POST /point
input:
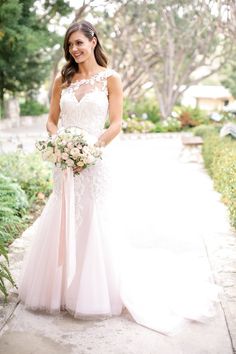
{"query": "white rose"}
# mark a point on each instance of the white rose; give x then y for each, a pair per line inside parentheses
(63, 136)
(90, 159)
(70, 163)
(70, 145)
(86, 150)
(64, 156)
(75, 152)
(58, 155)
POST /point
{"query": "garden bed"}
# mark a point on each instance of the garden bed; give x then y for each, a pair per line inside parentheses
(25, 184)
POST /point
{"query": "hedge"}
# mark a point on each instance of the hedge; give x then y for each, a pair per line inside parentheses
(219, 156)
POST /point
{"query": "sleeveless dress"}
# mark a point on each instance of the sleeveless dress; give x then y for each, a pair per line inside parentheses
(77, 261)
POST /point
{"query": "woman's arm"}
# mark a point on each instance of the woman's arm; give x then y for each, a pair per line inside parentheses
(115, 95)
(54, 111)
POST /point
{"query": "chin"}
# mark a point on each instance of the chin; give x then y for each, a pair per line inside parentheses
(81, 60)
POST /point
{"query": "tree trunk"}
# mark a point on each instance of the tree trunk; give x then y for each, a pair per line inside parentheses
(12, 111)
(1, 102)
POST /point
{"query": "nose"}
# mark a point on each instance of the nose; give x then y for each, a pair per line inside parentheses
(73, 48)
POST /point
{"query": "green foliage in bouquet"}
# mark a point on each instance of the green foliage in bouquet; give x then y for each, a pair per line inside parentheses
(220, 160)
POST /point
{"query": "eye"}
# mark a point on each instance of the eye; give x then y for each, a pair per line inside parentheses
(70, 45)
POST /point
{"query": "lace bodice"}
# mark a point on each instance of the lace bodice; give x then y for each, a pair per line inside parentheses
(85, 103)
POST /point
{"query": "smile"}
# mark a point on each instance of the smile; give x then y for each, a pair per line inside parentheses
(77, 55)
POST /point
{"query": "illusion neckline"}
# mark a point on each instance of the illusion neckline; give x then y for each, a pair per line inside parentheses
(90, 78)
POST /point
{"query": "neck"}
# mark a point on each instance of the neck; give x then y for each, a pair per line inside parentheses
(89, 67)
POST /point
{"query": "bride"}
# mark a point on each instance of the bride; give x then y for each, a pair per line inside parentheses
(78, 260)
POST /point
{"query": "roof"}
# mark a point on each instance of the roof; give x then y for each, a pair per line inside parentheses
(208, 91)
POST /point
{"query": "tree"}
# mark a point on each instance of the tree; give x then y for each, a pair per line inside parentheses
(26, 43)
(168, 42)
(109, 21)
(227, 21)
(58, 54)
(229, 77)
(114, 28)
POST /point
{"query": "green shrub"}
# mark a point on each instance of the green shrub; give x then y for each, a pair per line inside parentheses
(5, 274)
(171, 124)
(32, 108)
(145, 108)
(159, 128)
(204, 130)
(137, 126)
(220, 160)
(227, 117)
(29, 171)
(13, 207)
(191, 117)
(24, 179)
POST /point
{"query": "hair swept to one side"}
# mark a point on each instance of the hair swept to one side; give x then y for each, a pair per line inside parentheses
(71, 67)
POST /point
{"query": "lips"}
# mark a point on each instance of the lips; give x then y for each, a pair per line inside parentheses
(76, 56)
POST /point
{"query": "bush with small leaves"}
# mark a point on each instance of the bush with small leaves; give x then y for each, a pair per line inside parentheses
(220, 160)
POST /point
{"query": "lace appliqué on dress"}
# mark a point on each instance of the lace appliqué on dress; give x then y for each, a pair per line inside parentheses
(88, 98)
(93, 183)
(85, 103)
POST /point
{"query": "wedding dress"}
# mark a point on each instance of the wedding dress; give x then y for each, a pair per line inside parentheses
(79, 260)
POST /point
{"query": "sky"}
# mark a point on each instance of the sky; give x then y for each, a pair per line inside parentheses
(76, 4)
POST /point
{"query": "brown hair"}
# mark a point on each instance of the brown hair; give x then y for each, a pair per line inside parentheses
(71, 67)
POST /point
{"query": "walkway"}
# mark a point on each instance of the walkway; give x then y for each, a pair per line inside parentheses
(183, 212)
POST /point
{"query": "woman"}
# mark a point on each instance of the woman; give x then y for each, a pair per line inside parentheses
(76, 261)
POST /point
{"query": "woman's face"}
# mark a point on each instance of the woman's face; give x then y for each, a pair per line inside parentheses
(80, 47)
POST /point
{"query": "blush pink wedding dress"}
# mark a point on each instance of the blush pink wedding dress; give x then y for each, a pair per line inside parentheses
(78, 260)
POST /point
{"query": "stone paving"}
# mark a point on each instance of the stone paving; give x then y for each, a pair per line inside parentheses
(205, 229)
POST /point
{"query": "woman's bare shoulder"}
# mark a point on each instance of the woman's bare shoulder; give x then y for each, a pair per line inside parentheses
(58, 84)
(114, 79)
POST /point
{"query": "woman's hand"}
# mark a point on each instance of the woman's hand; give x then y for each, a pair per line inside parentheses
(100, 143)
(78, 169)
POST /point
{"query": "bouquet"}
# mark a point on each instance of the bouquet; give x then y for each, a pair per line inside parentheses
(70, 147)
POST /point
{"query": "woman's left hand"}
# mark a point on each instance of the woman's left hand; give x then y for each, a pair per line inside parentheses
(78, 169)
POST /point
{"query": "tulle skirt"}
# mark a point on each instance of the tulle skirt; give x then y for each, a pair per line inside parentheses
(81, 259)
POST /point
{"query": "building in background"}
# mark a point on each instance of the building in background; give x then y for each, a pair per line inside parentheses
(210, 98)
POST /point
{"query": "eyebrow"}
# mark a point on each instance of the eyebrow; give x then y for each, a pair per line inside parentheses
(77, 40)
